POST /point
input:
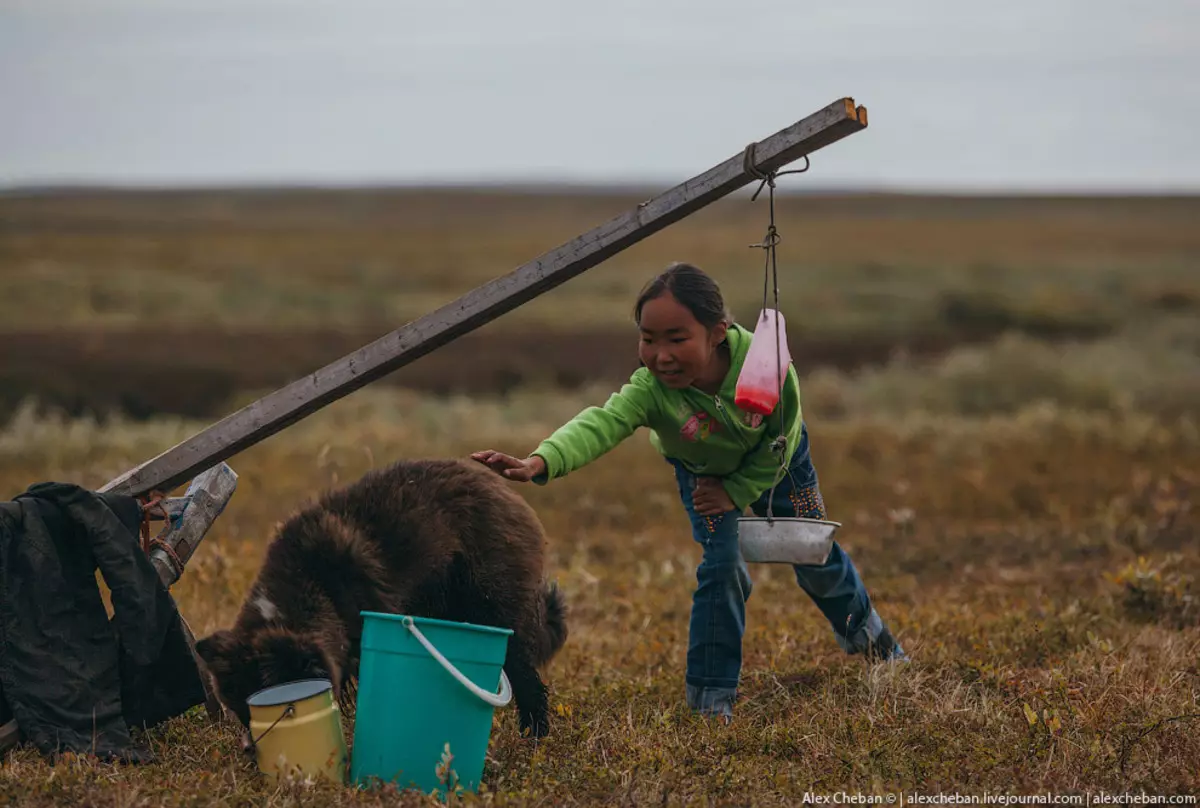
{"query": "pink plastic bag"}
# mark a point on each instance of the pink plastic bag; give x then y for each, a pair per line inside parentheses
(764, 370)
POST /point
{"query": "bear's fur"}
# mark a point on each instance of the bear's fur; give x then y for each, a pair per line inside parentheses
(445, 539)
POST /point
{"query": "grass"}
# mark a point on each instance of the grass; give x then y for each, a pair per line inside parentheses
(1002, 396)
(1044, 590)
(293, 260)
(219, 292)
(1153, 368)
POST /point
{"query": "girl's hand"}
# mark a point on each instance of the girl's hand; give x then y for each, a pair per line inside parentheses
(710, 498)
(511, 467)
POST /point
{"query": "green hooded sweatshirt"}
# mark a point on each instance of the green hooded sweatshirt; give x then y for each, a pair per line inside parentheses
(709, 434)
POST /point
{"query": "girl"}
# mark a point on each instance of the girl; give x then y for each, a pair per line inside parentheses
(692, 353)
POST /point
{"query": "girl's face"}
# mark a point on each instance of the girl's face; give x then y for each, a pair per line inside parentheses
(675, 346)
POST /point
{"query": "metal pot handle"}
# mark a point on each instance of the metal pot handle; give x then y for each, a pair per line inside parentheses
(288, 711)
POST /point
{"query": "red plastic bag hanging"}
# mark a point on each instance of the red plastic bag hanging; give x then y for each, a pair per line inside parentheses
(766, 366)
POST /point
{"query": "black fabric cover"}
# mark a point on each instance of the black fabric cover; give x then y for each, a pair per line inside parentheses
(74, 680)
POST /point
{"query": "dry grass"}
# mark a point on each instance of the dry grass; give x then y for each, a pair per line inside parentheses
(292, 260)
(1037, 564)
(1153, 368)
(1016, 483)
(214, 293)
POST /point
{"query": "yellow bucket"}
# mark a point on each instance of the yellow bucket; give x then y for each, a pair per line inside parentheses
(296, 730)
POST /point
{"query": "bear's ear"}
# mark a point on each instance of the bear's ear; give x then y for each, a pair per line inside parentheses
(220, 650)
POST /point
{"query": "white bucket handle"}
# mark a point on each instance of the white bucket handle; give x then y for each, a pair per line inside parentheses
(495, 699)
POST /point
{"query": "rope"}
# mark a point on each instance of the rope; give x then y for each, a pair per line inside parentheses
(172, 556)
(750, 164)
(151, 506)
(771, 274)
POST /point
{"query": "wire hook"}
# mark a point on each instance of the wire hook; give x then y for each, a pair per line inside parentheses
(767, 178)
(771, 271)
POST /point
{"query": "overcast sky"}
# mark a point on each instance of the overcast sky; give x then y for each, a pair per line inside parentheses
(1020, 94)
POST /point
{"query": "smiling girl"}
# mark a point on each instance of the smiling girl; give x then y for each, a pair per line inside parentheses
(692, 353)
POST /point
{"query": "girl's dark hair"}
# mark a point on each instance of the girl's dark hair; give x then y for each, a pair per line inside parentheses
(693, 288)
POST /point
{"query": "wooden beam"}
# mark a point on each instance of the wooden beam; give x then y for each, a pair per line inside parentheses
(284, 407)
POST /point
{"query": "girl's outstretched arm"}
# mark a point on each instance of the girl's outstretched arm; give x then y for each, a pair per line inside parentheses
(597, 430)
(581, 440)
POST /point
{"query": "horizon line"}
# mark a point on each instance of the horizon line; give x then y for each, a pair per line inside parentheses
(540, 187)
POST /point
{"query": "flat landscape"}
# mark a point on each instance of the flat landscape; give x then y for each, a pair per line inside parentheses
(1003, 396)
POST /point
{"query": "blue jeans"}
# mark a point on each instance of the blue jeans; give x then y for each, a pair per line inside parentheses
(718, 621)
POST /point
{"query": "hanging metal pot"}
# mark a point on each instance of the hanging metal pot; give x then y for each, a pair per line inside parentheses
(786, 540)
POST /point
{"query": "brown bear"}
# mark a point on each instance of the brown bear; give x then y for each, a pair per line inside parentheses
(442, 538)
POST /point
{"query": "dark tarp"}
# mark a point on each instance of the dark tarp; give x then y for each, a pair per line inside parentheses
(74, 680)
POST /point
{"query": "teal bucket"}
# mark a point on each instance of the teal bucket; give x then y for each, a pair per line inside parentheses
(411, 703)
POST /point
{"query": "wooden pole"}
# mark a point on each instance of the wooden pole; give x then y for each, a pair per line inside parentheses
(285, 406)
